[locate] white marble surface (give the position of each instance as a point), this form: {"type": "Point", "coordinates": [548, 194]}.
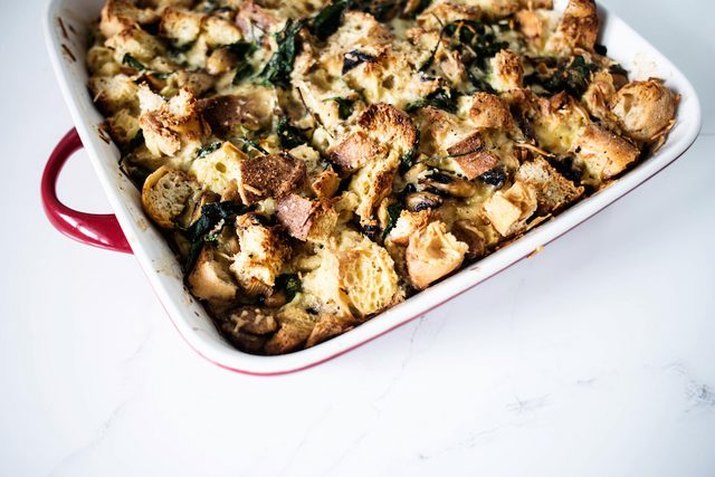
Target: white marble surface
{"type": "Point", "coordinates": [596, 357]}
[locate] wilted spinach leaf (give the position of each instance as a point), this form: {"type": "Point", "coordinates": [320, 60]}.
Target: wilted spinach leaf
{"type": "Point", "coordinates": [289, 135]}
{"type": "Point", "coordinates": [345, 106]}
{"type": "Point", "coordinates": [249, 144]}
{"type": "Point", "coordinates": [136, 141]}
{"type": "Point", "coordinates": [205, 229]}
{"type": "Point", "coordinates": [277, 71]}
{"type": "Point", "coordinates": [132, 62]}
{"type": "Point", "coordinates": [479, 81]}
{"type": "Point", "coordinates": [241, 48]}
{"type": "Point", "coordinates": [573, 77]}
{"type": "Point", "coordinates": [382, 10]}
{"type": "Point", "coordinates": [243, 70]}
{"type": "Point", "coordinates": [441, 99]}
{"type": "Point", "coordinates": [291, 284]}
{"type": "Point", "coordinates": [393, 214]}
{"type": "Point", "coordinates": [327, 21]}
{"type": "Point", "coordinates": [473, 36]}
{"type": "Point", "coordinates": [408, 159]}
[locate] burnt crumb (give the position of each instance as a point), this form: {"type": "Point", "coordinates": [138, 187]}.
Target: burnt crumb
{"type": "Point", "coordinates": [63, 29]}
{"type": "Point", "coordinates": [68, 53]}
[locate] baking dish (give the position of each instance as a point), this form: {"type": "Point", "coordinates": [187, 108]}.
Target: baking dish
{"type": "Point", "coordinates": [65, 26]}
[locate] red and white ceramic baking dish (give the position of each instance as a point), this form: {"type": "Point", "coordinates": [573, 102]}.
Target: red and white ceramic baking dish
{"type": "Point", "coordinates": [129, 230]}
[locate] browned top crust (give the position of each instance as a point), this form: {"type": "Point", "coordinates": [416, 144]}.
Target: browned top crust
{"type": "Point", "coordinates": [355, 151]}
{"type": "Point", "coordinates": [473, 160]}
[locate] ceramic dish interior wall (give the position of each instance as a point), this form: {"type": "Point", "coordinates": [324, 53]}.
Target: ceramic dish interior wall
{"type": "Point", "coordinates": [66, 41]}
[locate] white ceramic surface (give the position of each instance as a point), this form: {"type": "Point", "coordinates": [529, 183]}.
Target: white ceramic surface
{"type": "Point", "coordinates": [593, 358]}
{"type": "Point", "coordinates": [163, 270]}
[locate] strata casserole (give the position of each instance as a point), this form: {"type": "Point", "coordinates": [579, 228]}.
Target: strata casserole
{"type": "Point", "coordinates": [315, 163]}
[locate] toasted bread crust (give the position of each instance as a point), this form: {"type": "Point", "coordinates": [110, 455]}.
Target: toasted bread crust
{"type": "Point", "coordinates": [274, 175]}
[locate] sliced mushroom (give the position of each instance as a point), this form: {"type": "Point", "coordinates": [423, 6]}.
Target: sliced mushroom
{"type": "Point", "coordinates": [449, 185]}
{"type": "Point", "coordinates": [418, 201]}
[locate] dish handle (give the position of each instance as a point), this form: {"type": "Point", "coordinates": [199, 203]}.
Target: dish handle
{"type": "Point", "coordinates": [97, 230]}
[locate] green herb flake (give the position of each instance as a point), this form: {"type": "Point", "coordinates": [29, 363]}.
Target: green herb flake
{"type": "Point", "coordinates": [408, 159]}
{"type": "Point", "coordinates": [441, 99]}
{"type": "Point", "coordinates": [243, 71]}
{"type": "Point", "coordinates": [206, 150]}
{"type": "Point", "coordinates": [393, 215]}
{"type": "Point", "coordinates": [345, 107]}
{"type": "Point", "coordinates": [213, 218]}
{"type": "Point", "coordinates": [248, 144]}
{"type": "Point", "coordinates": [241, 48]}
{"type": "Point", "coordinates": [328, 20]}
{"type": "Point", "coordinates": [132, 62]}
{"type": "Point", "coordinates": [291, 284]}
{"type": "Point", "coordinates": [161, 75]}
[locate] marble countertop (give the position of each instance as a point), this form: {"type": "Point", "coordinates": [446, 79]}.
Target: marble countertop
{"type": "Point", "coordinates": [595, 357]}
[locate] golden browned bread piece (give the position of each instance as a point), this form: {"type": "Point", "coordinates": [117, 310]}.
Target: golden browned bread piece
{"type": "Point", "coordinates": [553, 191]}
{"type": "Point", "coordinates": [263, 252]}
{"type": "Point", "coordinates": [165, 195]}
{"type": "Point", "coordinates": [604, 153]}
{"type": "Point", "coordinates": [471, 157]}
{"type": "Point", "coordinates": [433, 253]}
{"type": "Point", "coordinates": [119, 15]}
{"type": "Point", "coordinates": [509, 210]}
{"type": "Point", "coordinates": [578, 28]}
{"type": "Point", "coordinates": [355, 151]}
{"type": "Point", "coordinates": [170, 125]}
{"type": "Point", "coordinates": [210, 280]}
{"type": "Point", "coordinates": [645, 109]}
